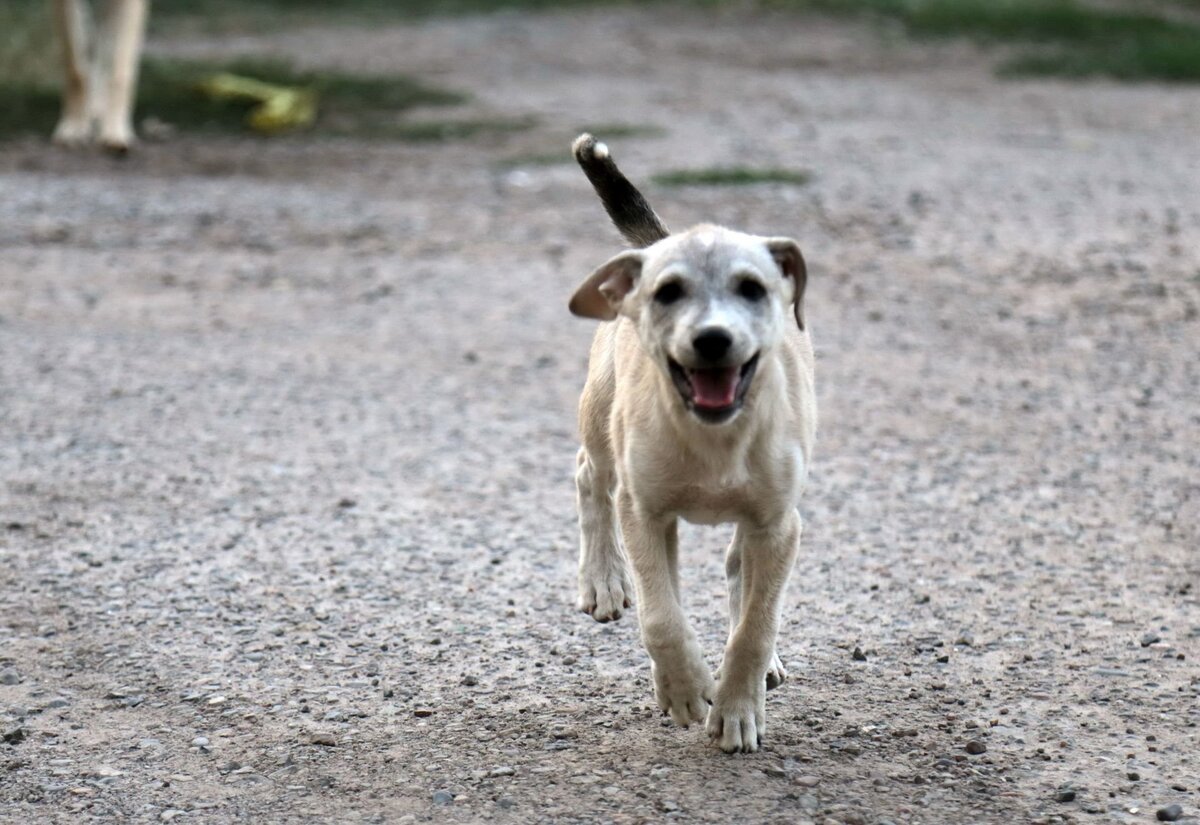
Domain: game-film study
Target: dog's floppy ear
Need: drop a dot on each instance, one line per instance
(601, 294)
(788, 257)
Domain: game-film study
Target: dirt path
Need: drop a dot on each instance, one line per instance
(288, 438)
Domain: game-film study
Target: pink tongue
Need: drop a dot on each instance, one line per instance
(713, 388)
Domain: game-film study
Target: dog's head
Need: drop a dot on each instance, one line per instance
(707, 304)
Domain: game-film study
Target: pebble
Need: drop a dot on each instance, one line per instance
(8, 676)
(1150, 638)
(858, 655)
(168, 815)
(503, 770)
(14, 736)
(442, 797)
(975, 747)
(326, 739)
(200, 742)
(807, 781)
(1170, 813)
(422, 713)
(506, 803)
(58, 702)
(1064, 794)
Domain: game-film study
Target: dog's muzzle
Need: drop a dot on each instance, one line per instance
(713, 394)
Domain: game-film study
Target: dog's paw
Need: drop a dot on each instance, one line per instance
(684, 692)
(604, 596)
(776, 673)
(737, 719)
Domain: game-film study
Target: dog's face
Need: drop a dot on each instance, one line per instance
(708, 304)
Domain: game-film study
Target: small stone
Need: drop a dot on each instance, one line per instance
(470, 681)
(503, 770)
(8, 676)
(442, 797)
(1133, 776)
(326, 739)
(422, 713)
(506, 803)
(1064, 794)
(975, 747)
(858, 655)
(775, 772)
(807, 781)
(1150, 638)
(169, 814)
(1170, 813)
(57, 702)
(14, 736)
(200, 742)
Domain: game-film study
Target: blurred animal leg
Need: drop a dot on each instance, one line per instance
(123, 32)
(72, 24)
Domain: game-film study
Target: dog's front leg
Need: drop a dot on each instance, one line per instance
(737, 719)
(776, 673)
(683, 683)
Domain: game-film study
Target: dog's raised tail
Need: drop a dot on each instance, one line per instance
(630, 212)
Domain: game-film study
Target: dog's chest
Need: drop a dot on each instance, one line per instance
(707, 495)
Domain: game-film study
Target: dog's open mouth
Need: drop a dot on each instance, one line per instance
(714, 394)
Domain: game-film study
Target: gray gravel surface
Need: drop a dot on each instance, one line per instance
(288, 437)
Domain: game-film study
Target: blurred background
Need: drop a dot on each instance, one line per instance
(287, 400)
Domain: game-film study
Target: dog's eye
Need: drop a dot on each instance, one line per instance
(668, 293)
(751, 290)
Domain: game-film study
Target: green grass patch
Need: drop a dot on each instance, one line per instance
(248, 15)
(1071, 38)
(731, 176)
(1164, 58)
(348, 104)
(27, 50)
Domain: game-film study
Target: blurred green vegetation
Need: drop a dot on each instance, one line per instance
(349, 104)
(1123, 39)
(1073, 38)
(731, 176)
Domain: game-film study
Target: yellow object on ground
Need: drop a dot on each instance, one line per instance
(280, 108)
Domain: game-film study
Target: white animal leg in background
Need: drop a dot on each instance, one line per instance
(73, 24)
(737, 718)
(122, 33)
(604, 587)
(683, 684)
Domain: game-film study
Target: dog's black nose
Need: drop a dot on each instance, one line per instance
(712, 344)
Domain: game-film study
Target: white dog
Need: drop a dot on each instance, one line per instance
(101, 72)
(699, 404)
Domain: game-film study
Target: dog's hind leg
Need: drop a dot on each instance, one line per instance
(603, 573)
(738, 715)
(776, 674)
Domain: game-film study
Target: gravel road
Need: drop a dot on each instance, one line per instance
(287, 442)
